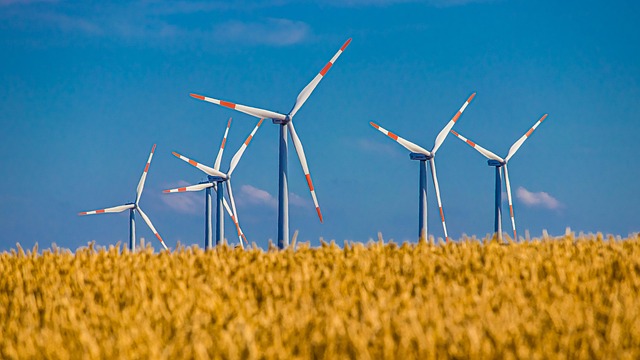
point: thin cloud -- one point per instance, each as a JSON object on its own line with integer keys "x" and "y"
{"x": 382, "y": 3}
{"x": 187, "y": 203}
{"x": 23, "y": 2}
{"x": 377, "y": 147}
{"x": 296, "y": 200}
{"x": 537, "y": 199}
{"x": 154, "y": 21}
{"x": 250, "y": 195}
{"x": 276, "y": 32}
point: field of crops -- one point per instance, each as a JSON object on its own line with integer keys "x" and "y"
{"x": 550, "y": 298}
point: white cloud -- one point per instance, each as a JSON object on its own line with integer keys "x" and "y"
{"x": 187, "y": 202}
{"x": 253, "y": 196}
{"x": 377, "y": 147}
{"x": 296, "y": 200}
{"x": 277, "y": 32}
{"x": 250, "y": 195}
{"x": 539, "y": 199}
{"x": 23, "y": 2}
{"x": 436, "y": 3}
{"x": 155, "y": 20}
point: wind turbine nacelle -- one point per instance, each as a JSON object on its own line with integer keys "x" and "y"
{"x": 216, "y": 178}
{"x": 281, "y": 122}
{"x": 418, "y": 156}
{"x": 495, "y": 163}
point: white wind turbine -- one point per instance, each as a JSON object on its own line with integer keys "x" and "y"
{"x": 286, "y": 126}
{"x": 500, "y": 163}
{"x": 207, "y": 186}
{"x": 421, "y": 154}
{"x": 216, "y": 179}
{"x": 133, "y": 207}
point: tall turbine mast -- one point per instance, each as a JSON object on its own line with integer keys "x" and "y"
{"x": 501, "y": 168}
{"x": 286, "y": 127}
{"x": 133, "y": 207}
{"x": 422, "y": 155}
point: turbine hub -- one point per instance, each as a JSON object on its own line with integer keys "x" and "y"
{"x": 495, "y": 163}
{"x": 419, "y": 156}
{"x": 215, "y": 178}
{"x": 282, "y": 122}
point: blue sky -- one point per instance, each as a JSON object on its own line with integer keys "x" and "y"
{"x": 87, "y": 89}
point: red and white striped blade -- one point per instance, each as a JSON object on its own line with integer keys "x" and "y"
{"x": 432, "y": 162}
{"x": 305, "y": 168}
{"x": 196, "y": 187}
{"x": 207, "y": 170}
{"x": 508, "y": 185}
{"x": 115, "y": 209}
{"x": 216, "y": 165}
{"x": 235, "y": 218}
{"x": 257, "y": 112}
{"x": 524, "y": 137}
{"x": 153, "y": 229}
{"x": 143, "y": 178}
{"x": 230, "y": 212}
{"x": 445, "y": 131}
{"x": 486, "y": 153}
{"x": 306, "y": 92}
{"x": 404, "y": 142}
{"x": 238, "y": 155}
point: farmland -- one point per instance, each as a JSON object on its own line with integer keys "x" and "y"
{"x": 561, "y": 298}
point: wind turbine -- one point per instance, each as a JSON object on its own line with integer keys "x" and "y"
{"x": 421, "y": 154}
{"x": 132, "y": 207}
{"x": 216, "y": 179}
{"x": 286, "y": 126}
{"x": 500, "y": 163}
{"x": 207, "y": 185}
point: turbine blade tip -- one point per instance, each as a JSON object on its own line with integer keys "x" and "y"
{"x": 166, "y": 191}
{"x": 374, "y": 124}
{"x": 175, "y": 154}
{"x": 471, "y": 97}
{"x": 319, "y": 214}
{"x": 196, "y": 96}
{"x": 153, "y": 149}
{"x": 82, "y": 213}
{"x": 346, "y": 43}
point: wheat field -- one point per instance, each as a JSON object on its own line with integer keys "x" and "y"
{"x": 544, "y": 298}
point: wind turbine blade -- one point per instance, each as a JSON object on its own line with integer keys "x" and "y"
{"x": 508, "y": 185}
{"x": 405, "y": 143}
{"x": 305, "y": 168}
{"x": 153, "y": 229}
{"x": 115, "y": 209}
{"x": 196, "y": 187}
{"x": 236, "y": 221}
{"x": 143, "y": 178}
{"x": 204, "y": 168}
{"x": 524, "y": 137}
{"x": 432, "y": 162}
{"x": 216, "y": 165}
{"x": 486, "y": 153}
{"x": 238, "y": 155}
{"x": 233, "y": 218}
{"x": 445, "y": 131}
{"x": 257, "y": 112}
{"x": 306, "y": 92}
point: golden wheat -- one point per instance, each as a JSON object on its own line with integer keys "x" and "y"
{"x": 567, "y": 298}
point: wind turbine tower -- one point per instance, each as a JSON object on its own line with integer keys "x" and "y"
{"x": 286, "y": 127}
{"x": 501, "y": 167}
